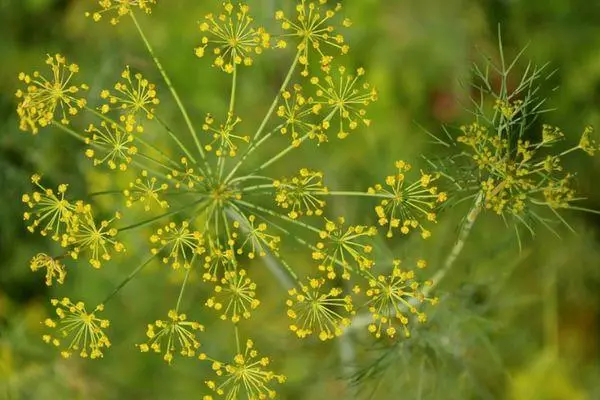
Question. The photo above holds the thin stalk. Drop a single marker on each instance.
(282, 88)
(167, 80)
(185, 279)
(151, 220)
(129, 277)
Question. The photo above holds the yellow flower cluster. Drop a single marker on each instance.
(298, 111)
(300, 194)
(256, 238)
(175, 335)
(389, 297)
(223, 136)
(344, 248)
(232, 38)
(316, 310)
(70, 223)
(246, 377)
(513, 177)
(54, 268)
(146, 190)
(77, 331)
(406, 205)
(44, 97)
(310, 26)
(119, 8)
(132, 96)
(343, 99)
(115, 142)
(235, 297)
(182, 244)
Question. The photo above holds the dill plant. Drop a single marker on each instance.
(212, 213)
(508, 162)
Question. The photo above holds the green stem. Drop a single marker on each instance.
(129, 277)
(274, 214)
(167, 80)
(282, 88)
(151, 220)
(185, 279)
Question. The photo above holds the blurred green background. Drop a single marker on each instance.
(511, 324)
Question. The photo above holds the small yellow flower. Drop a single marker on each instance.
(132, 96)
(246, 377)
(392, 298)
(407, 205)
(344, 248)
(343, 99)
(77, 331)
(174, 335)
(223, 137)
(44, 98)
(182, 244)
(146, 190)
(311, 27)
(115, 142)
(231, 37)
(119, 8)
(316, 310)
(54, 268)
(235, 298)
(300, 193)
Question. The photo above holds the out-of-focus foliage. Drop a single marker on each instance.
(511, 324)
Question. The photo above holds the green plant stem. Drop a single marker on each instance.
(282, 88)
(274, 214)
(248, 152)
(167, 80)
(185, 279)
(129, 277)
(151, 220)
(463, 235)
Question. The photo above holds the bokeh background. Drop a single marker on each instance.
(512, 324)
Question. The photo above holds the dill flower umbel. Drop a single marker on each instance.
(146, 190)
(96, 238)
(77, 331)
(131, 96)
(182, 244)
(231, 37)
(175, 335)
(298, 115)
(315, 310)
(246, 377)
(54, 268)
(345, 248)
(51, 212)
(114, 141)
(406, 205)
(310, 27)
(235, 297)
(256, 239)
(119, 8)
(393, 297)
(300, 193)
(344, 99)
(223, 136)
(45, 97)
